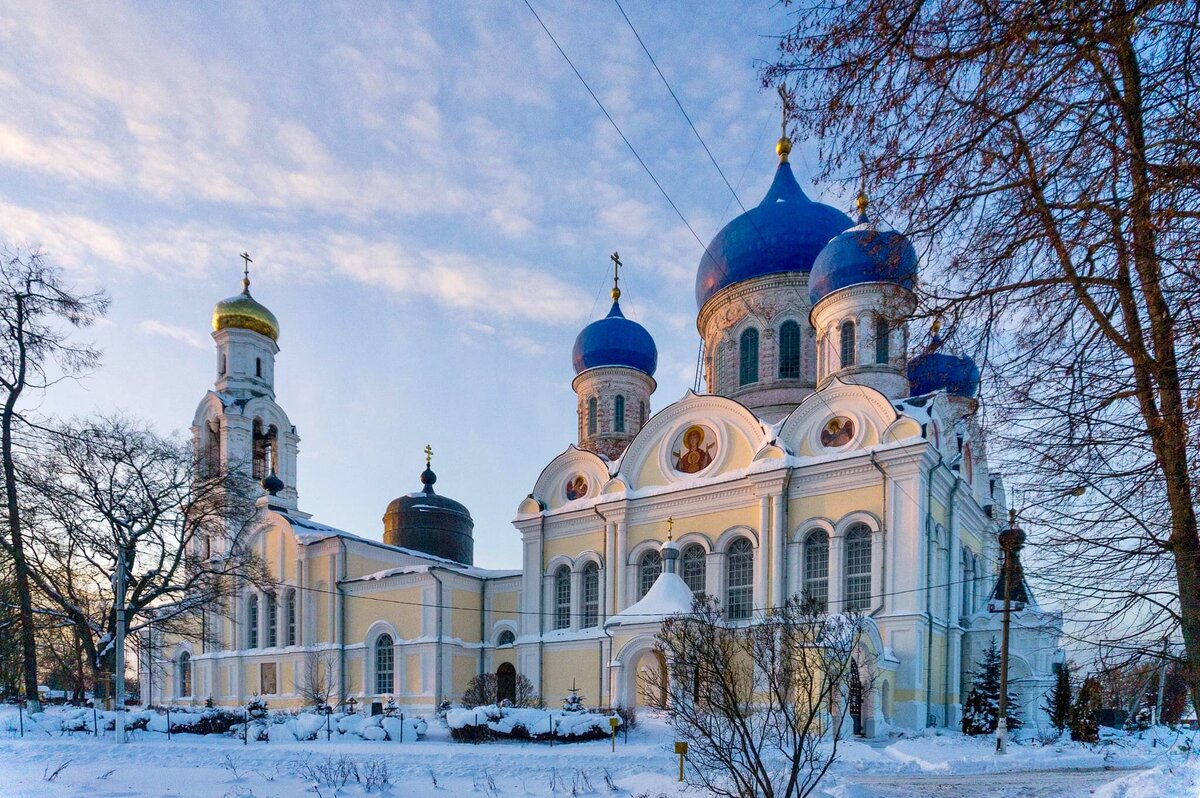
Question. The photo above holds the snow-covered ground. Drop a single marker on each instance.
(70, 764)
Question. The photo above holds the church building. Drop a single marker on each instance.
(821, 458)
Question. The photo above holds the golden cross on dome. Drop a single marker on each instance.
(428, 454)
(246, 271)
(616, 259)
(784, 146)
(670, 527)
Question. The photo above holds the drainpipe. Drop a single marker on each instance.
(541, 600)
(437, 674)
(482, 622)
(928, 590)
(608, 579)
(953, 542)
(341, 598)
(882, 535)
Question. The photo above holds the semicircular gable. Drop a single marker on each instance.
(209, 408)
(697, 437)
(574, 475)
(838, 418)
(269, 412)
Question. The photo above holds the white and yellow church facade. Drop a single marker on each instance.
(821, 458)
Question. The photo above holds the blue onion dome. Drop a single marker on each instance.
(932, 371)
(862, 254)
(783, 233)
(615, 341)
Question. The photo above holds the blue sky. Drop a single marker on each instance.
(428, 192)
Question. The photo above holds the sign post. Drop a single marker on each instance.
(681, 749)
(613, 723)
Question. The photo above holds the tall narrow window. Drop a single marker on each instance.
(641, 414)
(816, 569)
(221, 364)
(858, 568)
(968, 577)
(252, 622)
(258, 367)
(289, 609)
(789, 351)
(883, 351)
(185, 674)
(591, 595)
(748, 360)
(718, 367)
(272, 621)
(385, 665)
(562, 597)
(619, 414)
(649, 567)
(739, 580)
(694, 560)
(591, 416)
(847, 343)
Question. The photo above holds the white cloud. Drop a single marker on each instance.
(184, 334)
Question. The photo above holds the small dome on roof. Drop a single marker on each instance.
(615, 341)
(245, 313)
(862, 254)
(429, 523)
(930, 371)
(783, 233)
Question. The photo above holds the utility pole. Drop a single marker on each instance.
(1011, 540)
(119, 726)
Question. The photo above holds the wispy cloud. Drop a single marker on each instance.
(175, 332)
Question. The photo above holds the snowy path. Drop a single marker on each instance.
(1074, 783)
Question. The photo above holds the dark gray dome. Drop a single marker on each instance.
(429, 523)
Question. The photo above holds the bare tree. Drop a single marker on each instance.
(108, 488)
(316, 683)
(1048, 156)
(761, 705)
(37, 311)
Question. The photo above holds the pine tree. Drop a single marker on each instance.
(982, 709)
(574, 702)
(1085, 725)
(1059, 700)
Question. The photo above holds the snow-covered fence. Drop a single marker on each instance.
(481, 724)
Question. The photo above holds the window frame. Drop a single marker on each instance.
(252, 622)
(647, 577)
(687, 562)
(590, 586)
(739, 577)
(619, 413)
(815, 576)
(789, 350)
(185, 674)
(748, 354)
(883, 344)
(382, 668)
(846, 332)
(857, 568)
(562, 597)
(592, 422)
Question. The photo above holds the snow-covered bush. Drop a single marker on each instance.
(492, 722)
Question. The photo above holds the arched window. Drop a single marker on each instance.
(858, 568)
(289, 610)
(883, 350)
(562, 597)
(694, 560)
(258, 367)
(748, 361)
(718, 366)
(591, 595)
(789, 351)
(221, 364)
(816, 568)
(506, 638)
(649, 567)
(739, 580)
(385, 665)
(506, 682)
(619, 414)
(185, 674)
(272, 621)
(641, 414)
(847, 343)
(591, 416)
(252, 622)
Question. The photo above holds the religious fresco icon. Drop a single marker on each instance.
(838, 431)
(576, 487)
(695, 454)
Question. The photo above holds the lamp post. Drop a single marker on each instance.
(1011, 592)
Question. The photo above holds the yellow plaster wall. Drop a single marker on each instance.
(412, 668)
(712, 524)
(359, 563)
(835, 506)
(463, 669)
(465, 617)
(503, 604)
(574, 545)
(365, 609)
(580, 662)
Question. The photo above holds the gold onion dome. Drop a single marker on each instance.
(244, 313)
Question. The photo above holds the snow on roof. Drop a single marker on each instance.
(308, 532)
(669, 595)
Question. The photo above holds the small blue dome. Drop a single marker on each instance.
(615, 341)
(784, 233)
(938, 371)
(862, 254)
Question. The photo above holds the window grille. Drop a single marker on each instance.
(694, 561)
(649, 567)
(619, 414)
(562, 597)
(847, 342)
(748, 362)
(789, 351)
(385, 664)
(252, 622)
(858, 568)
(739, 593)
(816, 568)
(591, 595)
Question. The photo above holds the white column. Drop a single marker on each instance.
(760, 575)
(778, 547)
(608, 595)
(621, 554)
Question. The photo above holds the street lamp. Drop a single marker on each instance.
(1011, 596)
